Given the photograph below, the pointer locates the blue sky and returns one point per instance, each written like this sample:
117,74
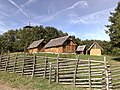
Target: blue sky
85,19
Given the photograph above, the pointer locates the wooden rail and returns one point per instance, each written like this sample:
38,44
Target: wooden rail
82,73
115,71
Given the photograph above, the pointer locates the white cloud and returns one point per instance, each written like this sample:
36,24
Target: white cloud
95,36
28,3
98,34
4,14
21,10
3,27
72,33
80,3
43,18
92,18
2,22
2,30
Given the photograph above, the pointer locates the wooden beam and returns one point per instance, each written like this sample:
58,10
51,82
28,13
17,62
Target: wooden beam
46,63
106,74
15,60
34,64
89,71
6,65
50,73
23,64
76,66
57,71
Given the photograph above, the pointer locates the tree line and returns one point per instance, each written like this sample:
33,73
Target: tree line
18,40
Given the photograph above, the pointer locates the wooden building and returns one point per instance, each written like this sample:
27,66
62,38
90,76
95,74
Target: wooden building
81,49
95,49
61,45
37,46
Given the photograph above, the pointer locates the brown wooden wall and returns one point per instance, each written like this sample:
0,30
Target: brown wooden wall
58,49
34,50
67,47
95,52
70,47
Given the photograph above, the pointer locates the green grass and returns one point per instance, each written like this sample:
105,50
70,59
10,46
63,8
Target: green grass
32,83
111,59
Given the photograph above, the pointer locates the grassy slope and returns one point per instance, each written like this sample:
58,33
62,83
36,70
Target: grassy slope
112,60
41,84
32,83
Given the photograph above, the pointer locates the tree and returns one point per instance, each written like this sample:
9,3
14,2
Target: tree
7,40
114,28
0,44
20,39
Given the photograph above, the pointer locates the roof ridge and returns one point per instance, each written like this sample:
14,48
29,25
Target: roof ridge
93,45
56,41
35,43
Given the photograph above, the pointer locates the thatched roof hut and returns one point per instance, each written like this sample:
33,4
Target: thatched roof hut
95,49
61,45
81,49
37,46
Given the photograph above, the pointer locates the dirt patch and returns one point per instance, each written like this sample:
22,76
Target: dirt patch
6,87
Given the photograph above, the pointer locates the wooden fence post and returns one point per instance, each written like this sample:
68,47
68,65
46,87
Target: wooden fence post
15,60
55,75
23,64
106,74
50,73
57,71
103,80
89,71
110,77
34,63
6,65
0,59
46,63
76,66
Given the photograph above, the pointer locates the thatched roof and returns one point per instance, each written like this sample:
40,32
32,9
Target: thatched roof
81,48
35,44
93,45
56,42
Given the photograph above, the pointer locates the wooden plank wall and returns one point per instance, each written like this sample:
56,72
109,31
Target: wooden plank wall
80,73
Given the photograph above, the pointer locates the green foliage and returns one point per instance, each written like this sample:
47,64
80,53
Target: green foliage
116,51
20,39
114,29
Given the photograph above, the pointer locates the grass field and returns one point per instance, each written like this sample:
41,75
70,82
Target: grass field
26,82
41,84
113,60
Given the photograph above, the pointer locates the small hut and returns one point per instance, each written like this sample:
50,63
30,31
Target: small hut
81,49
95,49
61,45
37,46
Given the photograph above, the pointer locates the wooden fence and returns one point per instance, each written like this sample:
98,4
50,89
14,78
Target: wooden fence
115,71
80,73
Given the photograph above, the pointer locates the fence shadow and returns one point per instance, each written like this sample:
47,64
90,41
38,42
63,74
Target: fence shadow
116,59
